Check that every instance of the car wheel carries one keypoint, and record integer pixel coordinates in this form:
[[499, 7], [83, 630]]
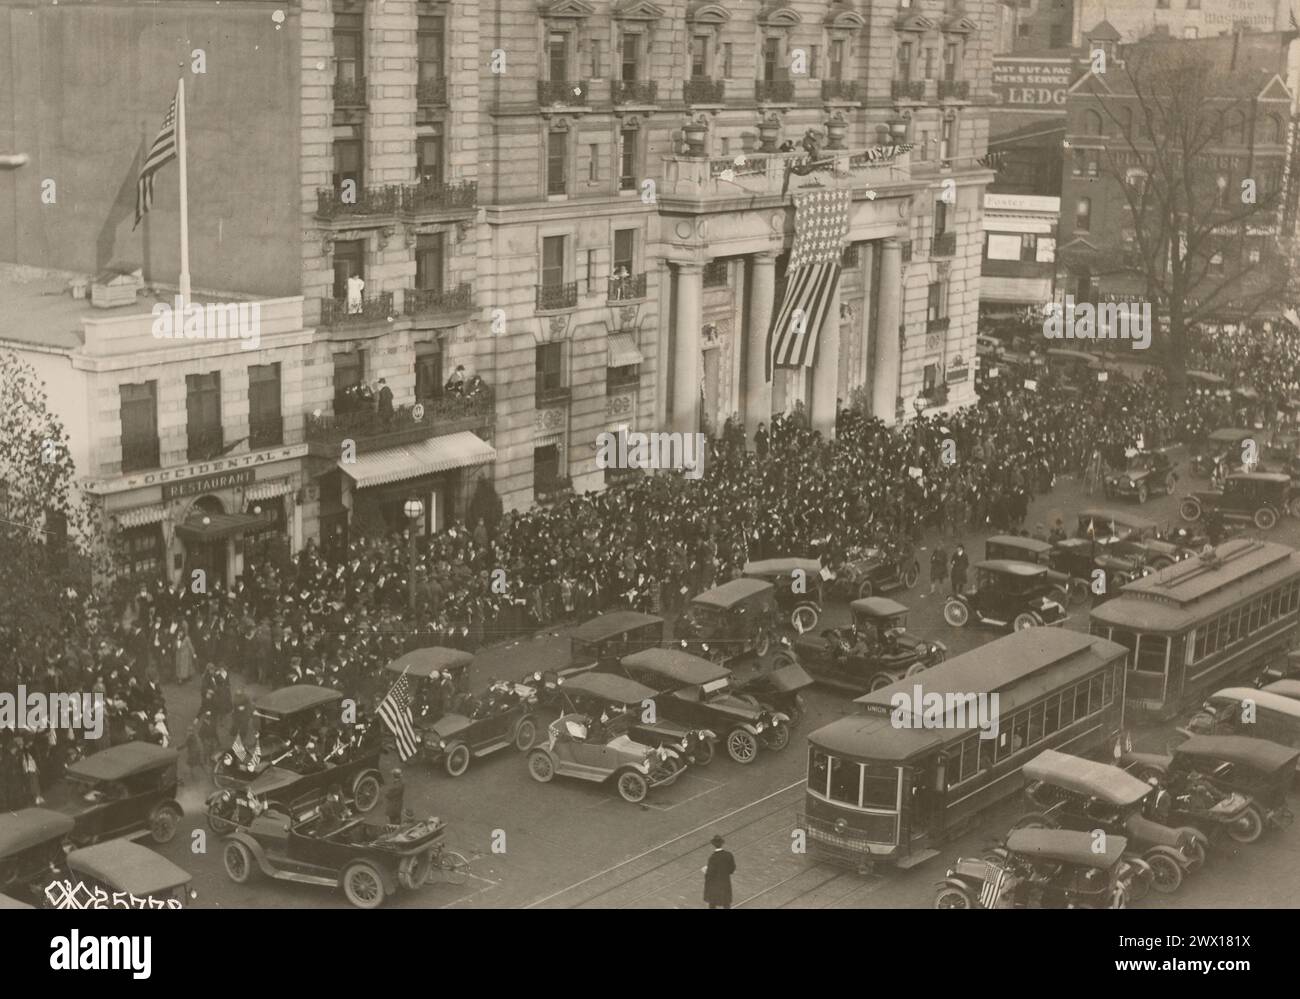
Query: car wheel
[[915, 669], [1171, 481], [219, 825], [956, 613], [1119, 898], [363, 886], [632, 786], [1195, 853], [762, 642], [238, 861], [953, 898], [414, 870], [1168, 872], [1063, 595], [667, 772], [910, 575], [783, 659], [163, 823], [1265, 518], [1142, 880], [1143, 493], [881, 680], [365, 792], [702, 754], [1026, 620], [456, 762], [541, 766], [1034, 820], [1248, 827], [865, 589], [1293, 507], [1189, 510], [742, 746], [777, 737], [525, 734], [804, 618]]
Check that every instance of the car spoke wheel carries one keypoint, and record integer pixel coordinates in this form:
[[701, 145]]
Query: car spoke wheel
[[365, 792], [457, 759], [1034, 820], [783, 659], [916, 669], [414, 870], [1026, 620], [218, 824], [1168, 872], [1141, 881], [762, 642], [1248, 827], [1142, 493], [363, 886], [1195, 854], [1171, 480], [525, 734], [1189, 510], [540, 765], [910, 575], [632, 786], [162, 825], [238, 861], [777, 737], [1265, 518], [865, 589], [666, 773], [956, 613], [881, 680], [804, 618], [742, 746], [953, 898], [702, 754]]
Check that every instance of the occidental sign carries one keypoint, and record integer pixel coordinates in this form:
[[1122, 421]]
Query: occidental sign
[[1040, 84], [215, 468]]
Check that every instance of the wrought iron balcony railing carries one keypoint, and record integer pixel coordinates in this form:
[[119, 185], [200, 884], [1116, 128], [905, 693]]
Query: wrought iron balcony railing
[[842, 90], [617, 384], [139, 453], [447, 413], [627, 286], [635, 91], [775, 91], [431, 91], [350, 93], [557, 296], [944, 245], [368, 309], [550, 395], [913, 90], [939, 325], [703, 91], [433, 197], [419, 301], [331, 204], [954, 90], [562, 92], [266, 432]]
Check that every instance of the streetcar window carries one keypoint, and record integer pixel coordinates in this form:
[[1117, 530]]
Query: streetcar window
[[1052, 714], [1126, 638], [818, 770], [1035, 724], [1067, 707], [845, 780], [987, 749], [880, 787], [1095, 702], [1020, 731], [1152, 652]]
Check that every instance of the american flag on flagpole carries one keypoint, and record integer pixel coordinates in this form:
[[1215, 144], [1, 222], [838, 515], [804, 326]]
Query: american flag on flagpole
[[395, 712], [991, 892], [161, 153], [821, 222]]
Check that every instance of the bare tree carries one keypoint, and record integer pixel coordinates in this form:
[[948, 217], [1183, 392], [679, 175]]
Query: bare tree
[[1199, 196]]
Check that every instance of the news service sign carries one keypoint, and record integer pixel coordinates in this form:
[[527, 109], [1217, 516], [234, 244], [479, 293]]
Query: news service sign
[[1038, 84]]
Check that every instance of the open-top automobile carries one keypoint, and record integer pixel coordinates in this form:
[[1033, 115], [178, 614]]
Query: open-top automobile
[[1128, 535], [127, 790], [504, 716], [868, 571], [582, 747], [626, 706], [1007, 594]]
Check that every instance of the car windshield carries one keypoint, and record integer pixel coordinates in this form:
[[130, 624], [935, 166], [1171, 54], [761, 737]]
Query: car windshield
[[1142, 463]]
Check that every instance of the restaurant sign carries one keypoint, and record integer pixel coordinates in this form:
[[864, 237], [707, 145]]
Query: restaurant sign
[[206, 484], [213, 470], [1021, 82]]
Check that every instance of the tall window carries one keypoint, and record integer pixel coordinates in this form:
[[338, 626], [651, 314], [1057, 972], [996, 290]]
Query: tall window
[[429, 261], [265, 427], [940, 217], [836, 56], [631, 62], [950, 62], [1092, 123], [546, 467], [549, 358], [627, 160], [934, 300], [699, 57], [428, 371], [947, 134], [726, 60], [429, 156], [557, 56], [348, 48], [1058, 35], [905, 62], [349, 370], [556, 161], [349, 261], [928, 53], [431, 39], [624, 251], [203, 415], [139, 413], [1083, 215], [347, 158], [142, 549], [771, 58], [552, 261]]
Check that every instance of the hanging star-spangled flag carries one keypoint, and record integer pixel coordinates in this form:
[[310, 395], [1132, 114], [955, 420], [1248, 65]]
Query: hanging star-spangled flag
[[821, 222], [162, 152], [395, 711]]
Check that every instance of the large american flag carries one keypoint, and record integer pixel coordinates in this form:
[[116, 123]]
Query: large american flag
[[162, 152], [821, 222], [395, 712], [994, 883]]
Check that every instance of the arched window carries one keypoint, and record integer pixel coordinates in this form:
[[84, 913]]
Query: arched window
[[1237, 128], [1092, 123], [1271, 129]]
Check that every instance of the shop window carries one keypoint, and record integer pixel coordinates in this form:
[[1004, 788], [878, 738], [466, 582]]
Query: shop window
[[142, 551], [546, 467]]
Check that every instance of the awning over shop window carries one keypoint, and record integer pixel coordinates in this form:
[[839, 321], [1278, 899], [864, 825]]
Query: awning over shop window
[[141, 516], [441, 454], [622, 350], [268, 490], [220, 525]]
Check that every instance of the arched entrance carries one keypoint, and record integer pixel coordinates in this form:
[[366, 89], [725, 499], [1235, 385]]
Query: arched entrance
[[209, 556]]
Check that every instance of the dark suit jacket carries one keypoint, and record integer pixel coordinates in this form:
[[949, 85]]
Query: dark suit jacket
[[717, 878]]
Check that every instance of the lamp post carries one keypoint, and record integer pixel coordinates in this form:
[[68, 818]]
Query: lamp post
[[414, 510]]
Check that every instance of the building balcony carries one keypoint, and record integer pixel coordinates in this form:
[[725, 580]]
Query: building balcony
[[139, 453], [552, 297], [703, 91], [570, 92], [939, 325], [550, 489], [774, 91], [379, 202], [546, 396], [843, 90], [204, 443], [621, 383], [446, 414], [267, 432], [937, 395], [954, 90], [339, 312], [907, 90], [628, 286], [635, 91], [422, 301], [749, 175], [431, 92], [944, 245], [350, 93], [426, 198]]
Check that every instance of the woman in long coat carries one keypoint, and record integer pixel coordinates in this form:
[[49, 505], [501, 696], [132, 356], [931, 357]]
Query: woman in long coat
[[184, 655]]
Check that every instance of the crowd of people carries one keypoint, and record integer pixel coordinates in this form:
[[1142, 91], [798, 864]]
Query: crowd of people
[[649, 543]]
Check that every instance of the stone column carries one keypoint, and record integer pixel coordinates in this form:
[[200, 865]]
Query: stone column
[[686, 350], [758, 390], [884, 385], [859, 377], [825, 380]]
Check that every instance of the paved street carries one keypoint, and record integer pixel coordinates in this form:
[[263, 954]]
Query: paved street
[[572, 844]]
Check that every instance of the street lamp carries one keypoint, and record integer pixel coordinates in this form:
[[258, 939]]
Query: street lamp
[[414, 510]]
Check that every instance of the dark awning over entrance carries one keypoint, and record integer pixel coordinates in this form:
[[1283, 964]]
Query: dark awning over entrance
[[220, 526]]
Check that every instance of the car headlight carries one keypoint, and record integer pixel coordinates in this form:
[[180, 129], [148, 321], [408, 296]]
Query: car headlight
[[758, 726], [707, 733], [1131, 483]]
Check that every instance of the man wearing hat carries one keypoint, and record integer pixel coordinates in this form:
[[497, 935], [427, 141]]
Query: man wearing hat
[[395, 797], [717, 876]]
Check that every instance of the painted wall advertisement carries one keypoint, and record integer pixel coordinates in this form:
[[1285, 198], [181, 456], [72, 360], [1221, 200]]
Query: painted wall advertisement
[[1040, 84]]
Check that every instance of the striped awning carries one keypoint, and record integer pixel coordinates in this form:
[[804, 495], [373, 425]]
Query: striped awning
[[268, 490], [218, 526], [141, 516], [622, 350], [441, 454]]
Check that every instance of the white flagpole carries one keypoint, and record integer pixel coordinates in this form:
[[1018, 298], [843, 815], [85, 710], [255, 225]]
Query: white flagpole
[[184, 185]]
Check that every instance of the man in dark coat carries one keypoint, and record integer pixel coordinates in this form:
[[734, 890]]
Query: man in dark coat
[[717, 876], [384, 402], [395, 798], [960, 563]]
